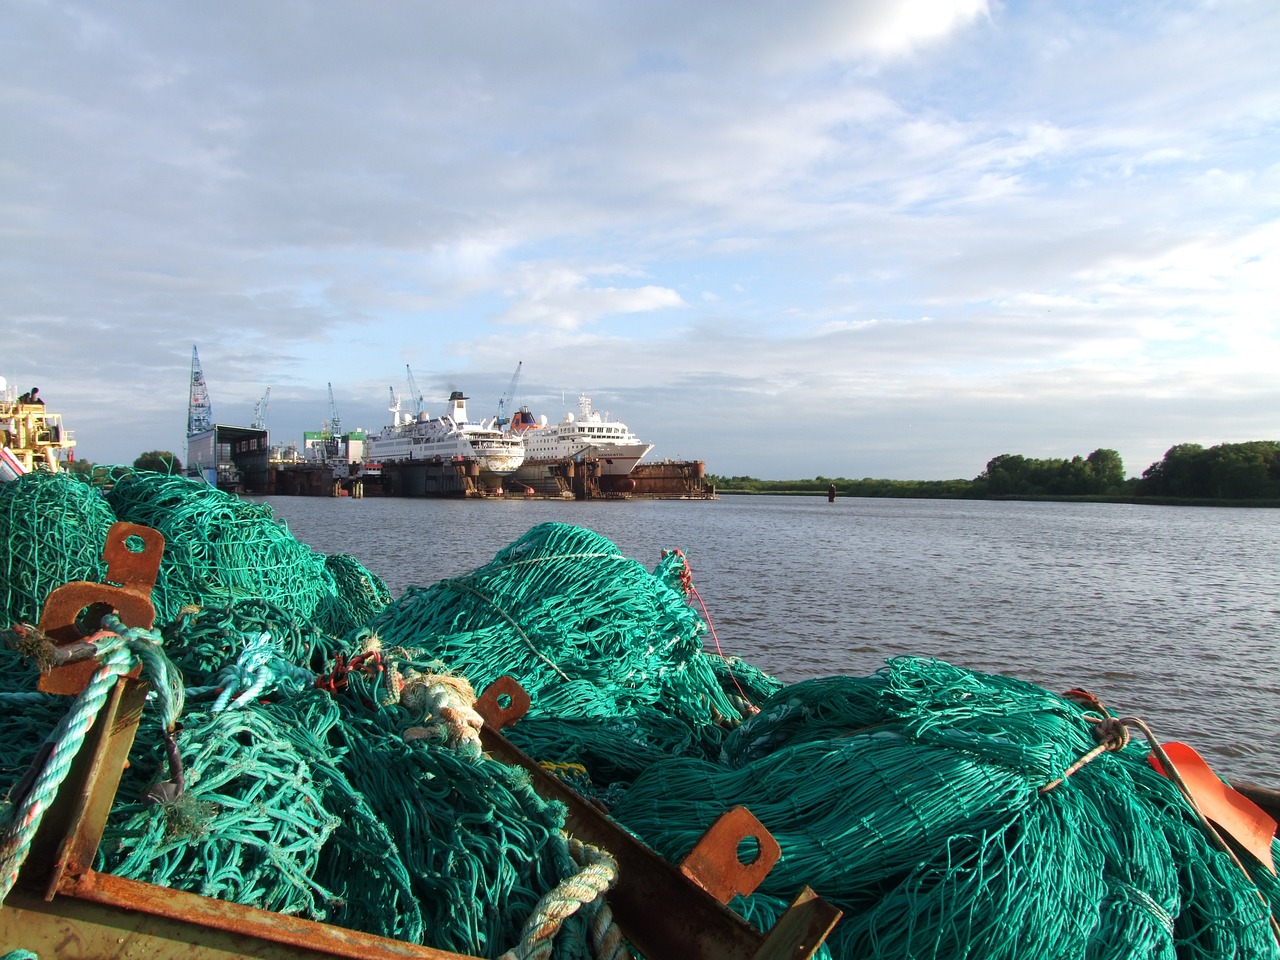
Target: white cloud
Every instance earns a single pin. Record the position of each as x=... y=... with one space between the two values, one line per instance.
x=560 y=298
x=1000 y=223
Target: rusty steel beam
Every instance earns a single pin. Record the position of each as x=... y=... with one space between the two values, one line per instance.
x=193 y=911
x=102 y=918
x=661 y=910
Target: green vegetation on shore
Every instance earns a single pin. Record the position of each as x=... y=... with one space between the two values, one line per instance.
x=1189 y=472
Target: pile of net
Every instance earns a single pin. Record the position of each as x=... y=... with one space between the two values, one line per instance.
x=331 y=768
x=927 y=802
x=219 y=549
x=335 y=775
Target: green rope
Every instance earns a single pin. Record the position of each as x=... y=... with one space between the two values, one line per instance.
x=119 y=653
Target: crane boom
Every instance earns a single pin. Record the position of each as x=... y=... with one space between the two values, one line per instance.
x=335 y=424
x=260 y=411
x=508 y=400
x=199 y=410
x=419 y=402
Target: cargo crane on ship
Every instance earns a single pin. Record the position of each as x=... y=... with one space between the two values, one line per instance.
x=419 y=402
x=507 y=401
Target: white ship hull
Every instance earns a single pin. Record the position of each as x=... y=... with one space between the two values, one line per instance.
x=608 y=446
x=451 y=437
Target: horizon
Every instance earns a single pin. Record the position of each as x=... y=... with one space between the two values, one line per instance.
x=881 y=238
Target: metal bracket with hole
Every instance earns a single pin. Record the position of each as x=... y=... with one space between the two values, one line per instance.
x=670 y=912
x=132 y=553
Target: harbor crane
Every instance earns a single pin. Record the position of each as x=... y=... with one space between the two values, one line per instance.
x=199 y=410
x=508 y=400
x=334 y=443
x=419 y=403
x=260 y=411
x=335 y=423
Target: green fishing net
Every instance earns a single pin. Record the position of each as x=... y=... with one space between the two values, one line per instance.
x=219 y=548
x=588 y=632
x=52 y=531
x=912 y=798
x=204 y=640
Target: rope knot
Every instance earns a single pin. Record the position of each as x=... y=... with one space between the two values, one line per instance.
x=1111 y=733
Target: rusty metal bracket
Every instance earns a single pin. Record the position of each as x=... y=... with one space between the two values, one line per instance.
x=72 y=827
x=663 y=911
x=132 y=553
x=716 y=861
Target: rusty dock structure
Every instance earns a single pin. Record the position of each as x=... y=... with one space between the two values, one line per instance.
x=570 y=480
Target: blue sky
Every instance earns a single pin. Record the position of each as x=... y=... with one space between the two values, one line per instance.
x=865 y=239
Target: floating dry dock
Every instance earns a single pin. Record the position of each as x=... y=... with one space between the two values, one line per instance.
x=563 y=480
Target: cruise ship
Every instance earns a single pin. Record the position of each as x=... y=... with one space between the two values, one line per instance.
x=449 y=437
x=587 y=437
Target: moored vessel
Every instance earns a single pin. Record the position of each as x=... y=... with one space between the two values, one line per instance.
x=31 y=437
x=450 y=437
x=587 y=438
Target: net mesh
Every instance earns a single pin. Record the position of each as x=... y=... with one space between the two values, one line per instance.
x=317 y=787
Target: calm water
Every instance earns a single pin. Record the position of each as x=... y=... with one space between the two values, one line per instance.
x=1171 y=614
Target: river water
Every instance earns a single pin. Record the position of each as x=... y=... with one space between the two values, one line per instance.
x=1171 y=614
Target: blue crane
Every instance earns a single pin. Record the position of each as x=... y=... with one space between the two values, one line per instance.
x=419 y=403
x=508 y=400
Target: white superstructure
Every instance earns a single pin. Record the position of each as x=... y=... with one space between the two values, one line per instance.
x=587 y=435
x=448 y=437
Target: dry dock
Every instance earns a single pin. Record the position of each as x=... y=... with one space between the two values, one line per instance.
x=571 y=480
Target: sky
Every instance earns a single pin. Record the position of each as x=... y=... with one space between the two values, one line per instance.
x=789 y=238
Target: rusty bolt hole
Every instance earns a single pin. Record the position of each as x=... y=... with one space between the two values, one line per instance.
x=504 y=701
x=135 y=544
x=89 y=619
x=748 y=851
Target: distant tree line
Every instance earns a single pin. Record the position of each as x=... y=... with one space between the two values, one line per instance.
x=1229 y=471
x=161 y=461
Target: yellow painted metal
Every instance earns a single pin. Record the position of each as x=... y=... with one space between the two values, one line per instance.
x=33 y=435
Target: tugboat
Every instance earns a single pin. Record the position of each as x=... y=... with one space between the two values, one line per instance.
x=31 y=438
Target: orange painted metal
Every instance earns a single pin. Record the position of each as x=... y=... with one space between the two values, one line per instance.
x=1247 y=823
x=715 y=863
x=133 y=555
x=659 y=909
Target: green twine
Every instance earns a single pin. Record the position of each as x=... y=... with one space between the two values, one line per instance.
x=911 y=800
x=218 y=548
x=53 y=528
x=588 y=632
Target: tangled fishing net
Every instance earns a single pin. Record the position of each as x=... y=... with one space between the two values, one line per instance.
x=53 y=529
x=330 y=763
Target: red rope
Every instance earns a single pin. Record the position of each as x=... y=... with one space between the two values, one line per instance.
x=686 y=581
